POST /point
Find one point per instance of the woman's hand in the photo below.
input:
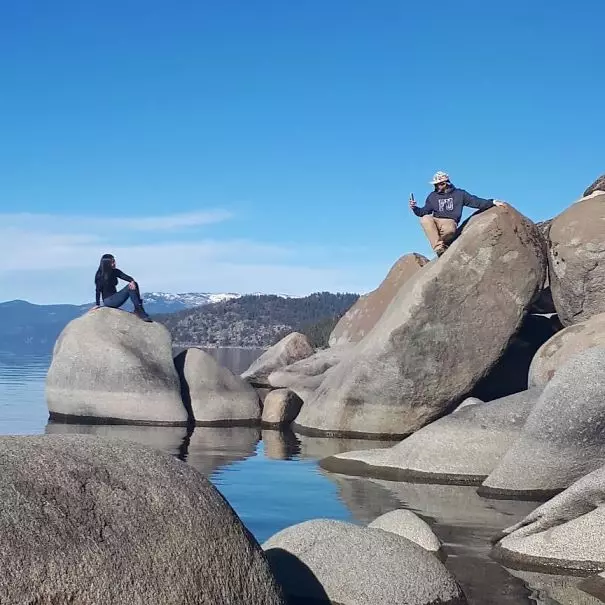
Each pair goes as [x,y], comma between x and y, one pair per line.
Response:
[94,308]
[500,203]
[132,285]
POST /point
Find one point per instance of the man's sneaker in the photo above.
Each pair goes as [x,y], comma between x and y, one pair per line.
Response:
[440,250]
[142,314]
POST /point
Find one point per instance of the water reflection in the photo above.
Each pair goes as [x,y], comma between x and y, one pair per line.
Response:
[547,589]
[322,447]
[211,448]
[280,445]
[463,521]
[169,439]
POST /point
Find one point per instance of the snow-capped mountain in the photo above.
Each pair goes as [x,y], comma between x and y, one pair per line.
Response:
[166,302]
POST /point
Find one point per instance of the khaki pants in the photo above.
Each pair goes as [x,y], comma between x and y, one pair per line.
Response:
[439,231]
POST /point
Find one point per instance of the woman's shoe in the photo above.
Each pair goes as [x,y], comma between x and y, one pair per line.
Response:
[142,314]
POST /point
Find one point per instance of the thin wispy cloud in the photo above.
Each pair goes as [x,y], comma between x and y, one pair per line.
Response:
[169,222]
[52,258]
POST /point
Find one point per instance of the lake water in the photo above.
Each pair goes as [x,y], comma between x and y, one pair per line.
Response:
[272,480]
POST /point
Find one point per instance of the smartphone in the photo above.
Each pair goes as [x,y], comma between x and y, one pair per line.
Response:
[412,197]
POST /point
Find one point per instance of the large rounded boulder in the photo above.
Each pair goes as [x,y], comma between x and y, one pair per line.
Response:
[564,535]
[214,393]
[409,525]
[280,408]
[441,334]
[562,438]
[325,561]
[288,350]
[98,521]
[565,344]
[576,259]
[463,447]
[109,366]
[364,314]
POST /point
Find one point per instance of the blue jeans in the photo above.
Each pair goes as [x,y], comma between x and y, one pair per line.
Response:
[115,301]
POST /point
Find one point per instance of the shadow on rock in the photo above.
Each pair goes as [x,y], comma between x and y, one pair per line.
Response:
[291,573]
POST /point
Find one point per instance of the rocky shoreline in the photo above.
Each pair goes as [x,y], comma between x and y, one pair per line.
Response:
[486,367]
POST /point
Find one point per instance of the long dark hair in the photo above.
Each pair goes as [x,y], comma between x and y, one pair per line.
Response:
[105,270]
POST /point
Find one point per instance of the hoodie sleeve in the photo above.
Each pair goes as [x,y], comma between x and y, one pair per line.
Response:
[427,209]
[476,202]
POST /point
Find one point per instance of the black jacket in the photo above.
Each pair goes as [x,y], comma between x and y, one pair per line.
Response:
[107,287]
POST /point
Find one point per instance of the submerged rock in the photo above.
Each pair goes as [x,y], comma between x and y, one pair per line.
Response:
[577,260]
[109,366]
[97,521]
[463,447]
[364,314]
[405,523]
[281,407]
[564,345]
[214,393]
[562,439]
[443,331]
[288,350]
[563,535]
[328,561]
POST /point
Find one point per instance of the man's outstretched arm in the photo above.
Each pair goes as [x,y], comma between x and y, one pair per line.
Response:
[480,203]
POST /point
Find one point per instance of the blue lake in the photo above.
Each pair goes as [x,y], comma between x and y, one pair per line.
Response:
[272,480]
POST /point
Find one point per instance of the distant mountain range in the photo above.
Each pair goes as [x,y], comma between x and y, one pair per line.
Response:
[29,329]
[224,319]
[258,320]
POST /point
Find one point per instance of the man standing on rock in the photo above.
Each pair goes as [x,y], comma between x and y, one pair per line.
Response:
[443,209]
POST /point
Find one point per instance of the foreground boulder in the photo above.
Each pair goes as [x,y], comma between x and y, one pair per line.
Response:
[564,345]
[94,521]
[305,376]
[288,350]
[562,439]
[326,561]
[463,447]
[577,260]
[364,314]
[564,535]
[405,523]
[109,366]
[280,408]
[443,331]
[214,393]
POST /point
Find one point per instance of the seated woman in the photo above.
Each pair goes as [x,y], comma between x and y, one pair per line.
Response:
[106,280]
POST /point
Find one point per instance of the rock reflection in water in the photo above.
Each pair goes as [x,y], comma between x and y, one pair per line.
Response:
[169,439]
[211,448]
[464,522]
[280,444]
[550,589]
[322,447]
[205,448]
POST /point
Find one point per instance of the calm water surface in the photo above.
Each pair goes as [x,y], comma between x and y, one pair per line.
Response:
[272,480]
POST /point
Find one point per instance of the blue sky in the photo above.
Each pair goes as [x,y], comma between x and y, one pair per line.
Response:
[271,145]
